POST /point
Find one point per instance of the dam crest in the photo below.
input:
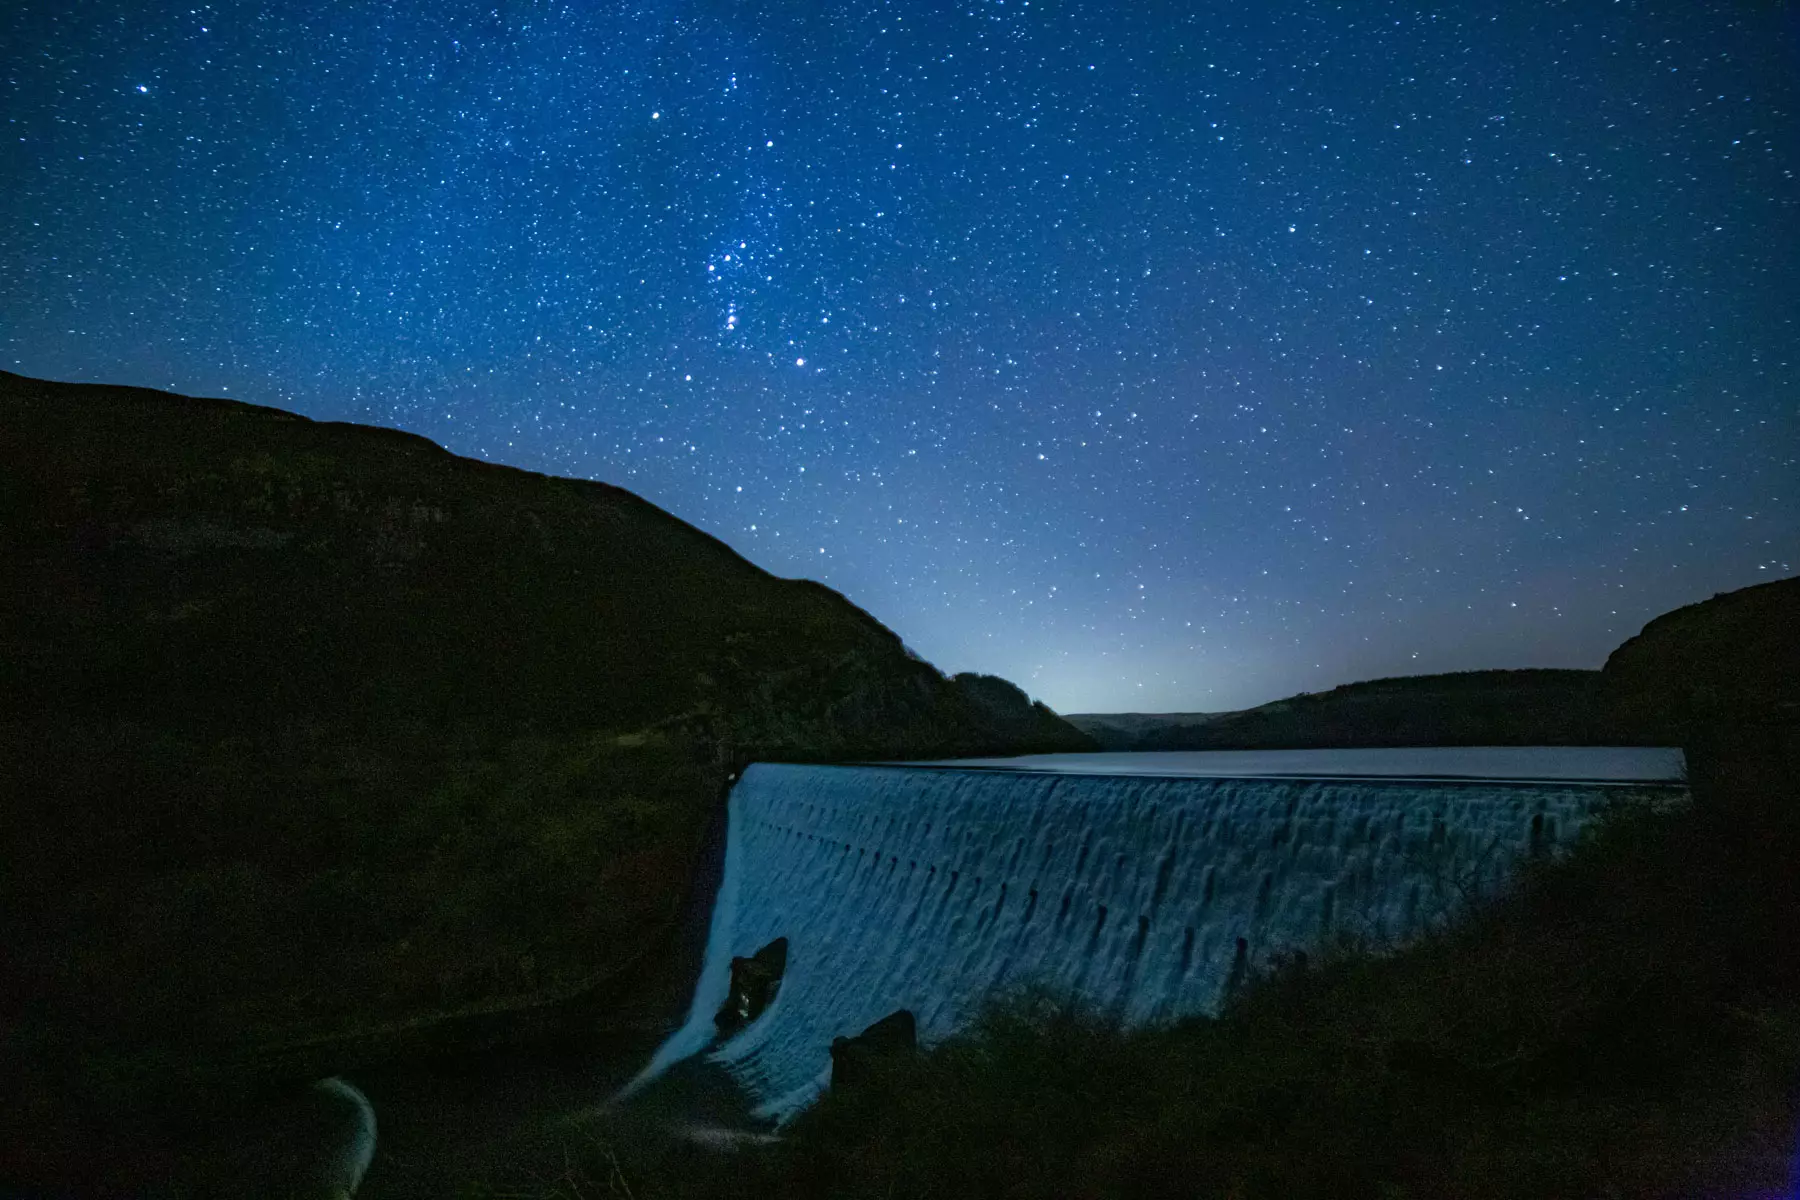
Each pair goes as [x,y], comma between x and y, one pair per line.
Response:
[1144,894]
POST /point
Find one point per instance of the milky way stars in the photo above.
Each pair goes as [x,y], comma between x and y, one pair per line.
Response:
[1156,356]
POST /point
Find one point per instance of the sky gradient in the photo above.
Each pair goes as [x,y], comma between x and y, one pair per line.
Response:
[1154,356]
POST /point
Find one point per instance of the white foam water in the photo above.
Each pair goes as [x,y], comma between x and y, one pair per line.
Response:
[1143,896]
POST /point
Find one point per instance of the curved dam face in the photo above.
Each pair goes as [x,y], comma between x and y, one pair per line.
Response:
[931,888]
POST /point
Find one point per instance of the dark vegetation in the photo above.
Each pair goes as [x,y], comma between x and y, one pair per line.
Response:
[1006,707]
[1710,666]
[1624,1023]
[1627,1024]
[315,735]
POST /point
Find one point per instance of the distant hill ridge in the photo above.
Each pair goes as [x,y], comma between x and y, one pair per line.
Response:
[1462,708]
[1733,658]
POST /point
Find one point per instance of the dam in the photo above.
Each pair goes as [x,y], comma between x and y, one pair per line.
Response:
[1144,885]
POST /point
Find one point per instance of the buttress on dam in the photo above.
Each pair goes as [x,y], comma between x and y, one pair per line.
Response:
[1143,885]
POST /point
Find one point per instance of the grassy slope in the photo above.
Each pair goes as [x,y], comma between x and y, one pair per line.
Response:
[309,727]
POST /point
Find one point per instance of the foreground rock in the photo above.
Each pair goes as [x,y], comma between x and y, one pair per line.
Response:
[893,1036]
[313,731]
[754,982]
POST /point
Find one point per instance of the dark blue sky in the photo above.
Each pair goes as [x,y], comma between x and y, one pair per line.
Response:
[1152,355]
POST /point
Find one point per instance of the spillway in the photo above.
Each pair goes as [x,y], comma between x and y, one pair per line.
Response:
[932,888]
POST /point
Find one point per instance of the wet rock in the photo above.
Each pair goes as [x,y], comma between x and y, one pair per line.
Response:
[754,982]
[894,1035]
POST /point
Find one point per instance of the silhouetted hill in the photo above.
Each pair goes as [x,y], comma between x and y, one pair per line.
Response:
[1465,708]
[310,726]
[1120,731]
[1731,659]
[1009,710]
[1734,658]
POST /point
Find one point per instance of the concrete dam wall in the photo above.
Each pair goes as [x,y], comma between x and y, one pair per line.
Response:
[933,888]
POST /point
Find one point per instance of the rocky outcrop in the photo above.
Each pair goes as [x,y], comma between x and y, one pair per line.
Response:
[754,982]
[852,1058]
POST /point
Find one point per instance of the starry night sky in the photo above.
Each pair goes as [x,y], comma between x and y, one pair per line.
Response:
[1155,356]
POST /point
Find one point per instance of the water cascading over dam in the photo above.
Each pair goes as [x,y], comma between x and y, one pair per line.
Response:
[931,889]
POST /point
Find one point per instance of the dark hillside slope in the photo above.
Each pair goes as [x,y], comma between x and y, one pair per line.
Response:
[204,564]
[1733,659]
[306,727]
[1009,710]
[1121,731]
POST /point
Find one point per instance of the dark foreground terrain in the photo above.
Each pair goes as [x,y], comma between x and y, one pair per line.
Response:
[1625,1023]
[321,745]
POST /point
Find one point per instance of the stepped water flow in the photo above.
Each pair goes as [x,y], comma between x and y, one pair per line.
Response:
[932,889]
